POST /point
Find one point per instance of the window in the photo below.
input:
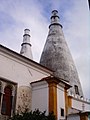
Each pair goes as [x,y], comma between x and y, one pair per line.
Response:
[7,101]
[76,89]
[62,112]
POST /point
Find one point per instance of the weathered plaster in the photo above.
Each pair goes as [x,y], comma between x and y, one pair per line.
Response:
[24,99]
[57,57]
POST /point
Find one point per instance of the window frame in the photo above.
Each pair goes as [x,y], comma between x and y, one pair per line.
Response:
[62,112]
[76,89]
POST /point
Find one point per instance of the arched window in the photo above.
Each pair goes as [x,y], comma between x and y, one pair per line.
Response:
[7,101]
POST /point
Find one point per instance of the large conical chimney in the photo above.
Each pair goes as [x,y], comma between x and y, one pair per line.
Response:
[26,46]
[56,55]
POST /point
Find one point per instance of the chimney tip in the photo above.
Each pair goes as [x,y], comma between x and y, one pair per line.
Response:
[26,31]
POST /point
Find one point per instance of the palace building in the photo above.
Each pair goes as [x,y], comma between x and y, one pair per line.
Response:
[51,85]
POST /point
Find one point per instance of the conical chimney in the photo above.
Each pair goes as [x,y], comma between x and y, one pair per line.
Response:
[26,45]
[56,55]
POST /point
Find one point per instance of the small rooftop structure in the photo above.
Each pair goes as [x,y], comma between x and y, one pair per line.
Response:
[26,45]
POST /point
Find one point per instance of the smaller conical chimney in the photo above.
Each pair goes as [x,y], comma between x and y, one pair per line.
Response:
[26,46]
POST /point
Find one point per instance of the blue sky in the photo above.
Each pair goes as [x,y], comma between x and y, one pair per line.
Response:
[16,15]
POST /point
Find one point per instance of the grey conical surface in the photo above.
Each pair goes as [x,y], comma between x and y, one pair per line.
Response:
[26,46]
[56,55]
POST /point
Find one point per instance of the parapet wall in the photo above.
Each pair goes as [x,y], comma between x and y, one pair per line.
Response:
[80,103]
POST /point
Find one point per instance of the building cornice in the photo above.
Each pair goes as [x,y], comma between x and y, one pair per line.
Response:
[22,58]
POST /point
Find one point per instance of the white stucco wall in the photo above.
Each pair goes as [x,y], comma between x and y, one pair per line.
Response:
[73,117]
[80,104]
[18,71]
[60,101]
[40,96]
[87,106]
[76,104]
